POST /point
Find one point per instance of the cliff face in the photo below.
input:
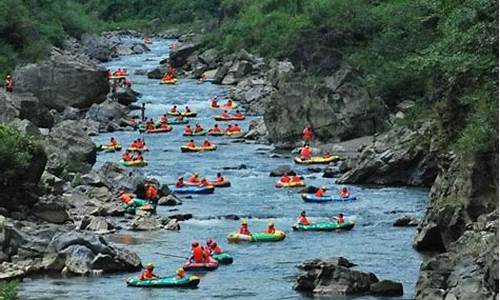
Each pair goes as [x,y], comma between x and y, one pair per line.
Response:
[337,107]
[462,225]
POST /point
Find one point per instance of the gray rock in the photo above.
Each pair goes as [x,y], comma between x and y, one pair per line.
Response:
[51,209]
[173,225]
[157,73]
[405,221]
[140,48]
[281,170]
[179,55]
[169,200]
[69,149]
[63,81]
[96,47]
[98,224]
[210,57]
[121,50]
[386,288]
[78,259]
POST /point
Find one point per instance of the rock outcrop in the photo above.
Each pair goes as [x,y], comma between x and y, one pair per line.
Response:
[337,108]
[401,156]
[63,80]
[69,148]
[335,277]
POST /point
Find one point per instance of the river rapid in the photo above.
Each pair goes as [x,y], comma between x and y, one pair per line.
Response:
[260,270]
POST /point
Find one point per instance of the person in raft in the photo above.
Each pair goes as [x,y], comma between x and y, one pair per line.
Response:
[180,273]
[214,249]
[198,255]
[238,114]
[296,178]
[214,103]
[173,109]
[327,154]
[164,119]
[191,144]
[320,192]
[285,178]
[216,128]
[187,109]
[225,115]
[113,142]
[344,193]
[179,182]
[148,274]
[303,218]
[188,130]
[307,134]
[179,117]
[141,143]
[138,157]
[204,182]
[206,143]
[244,228]
[340,218]
[150,124]
[220,178]
[194,178]
[198,128]
[126,156]
[229,103]
[270,228]
[229,128]
[236,128]
[305,152]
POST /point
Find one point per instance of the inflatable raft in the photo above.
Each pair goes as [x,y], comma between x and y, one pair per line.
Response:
[185,114]
[211,265]
[290,184]
[324,226]
[143,149]
[134,163]
[330,198]
[194,190]
[171,81]
[214,133]
[178,122]
[165,282]
[257,237]
[222,184]
[316,160]
[223,258]
[200,133]
[109,148]
[232,118]
[160,129]
[198,148]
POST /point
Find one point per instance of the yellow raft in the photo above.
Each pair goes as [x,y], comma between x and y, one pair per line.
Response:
[198,148]
[316,160]
[171,81]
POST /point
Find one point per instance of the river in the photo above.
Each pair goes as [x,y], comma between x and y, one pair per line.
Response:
[260,271]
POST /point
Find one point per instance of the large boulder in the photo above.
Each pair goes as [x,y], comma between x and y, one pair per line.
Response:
[96,47]
[117,178]
[181,53]
[401,156]
[210,57]
[52,209]
[107,112]
[63,80]
[337,108]
[24,106]
[69,149]
[333,277]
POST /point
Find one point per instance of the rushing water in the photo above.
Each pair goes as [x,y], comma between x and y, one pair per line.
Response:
[260,271]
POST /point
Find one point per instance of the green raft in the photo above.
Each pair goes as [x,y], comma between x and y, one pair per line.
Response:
[140,204]
[169,281]
[324,226]
[109,148]
[257,237]
[223,258]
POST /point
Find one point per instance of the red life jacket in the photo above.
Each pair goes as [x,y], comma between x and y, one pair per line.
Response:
[198,255]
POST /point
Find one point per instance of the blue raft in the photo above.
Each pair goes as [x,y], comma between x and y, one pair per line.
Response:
[331,198]
[194,190]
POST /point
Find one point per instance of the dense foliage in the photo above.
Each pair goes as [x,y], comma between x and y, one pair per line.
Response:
[441,54]
[29,27]
[8,290]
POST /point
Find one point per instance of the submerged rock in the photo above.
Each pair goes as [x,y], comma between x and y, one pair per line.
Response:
[281,170]
[405,221]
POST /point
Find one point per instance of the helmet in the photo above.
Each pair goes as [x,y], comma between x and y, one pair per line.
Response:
[270,224]
[244,222]
[323,188]
[179,270]
[121,193]
[180,178]
[196,174]
[209,242]
[8,77]
[195,244]
[150,266]
[303,213]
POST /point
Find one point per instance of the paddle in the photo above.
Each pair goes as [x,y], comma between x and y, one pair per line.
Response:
[171,255]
